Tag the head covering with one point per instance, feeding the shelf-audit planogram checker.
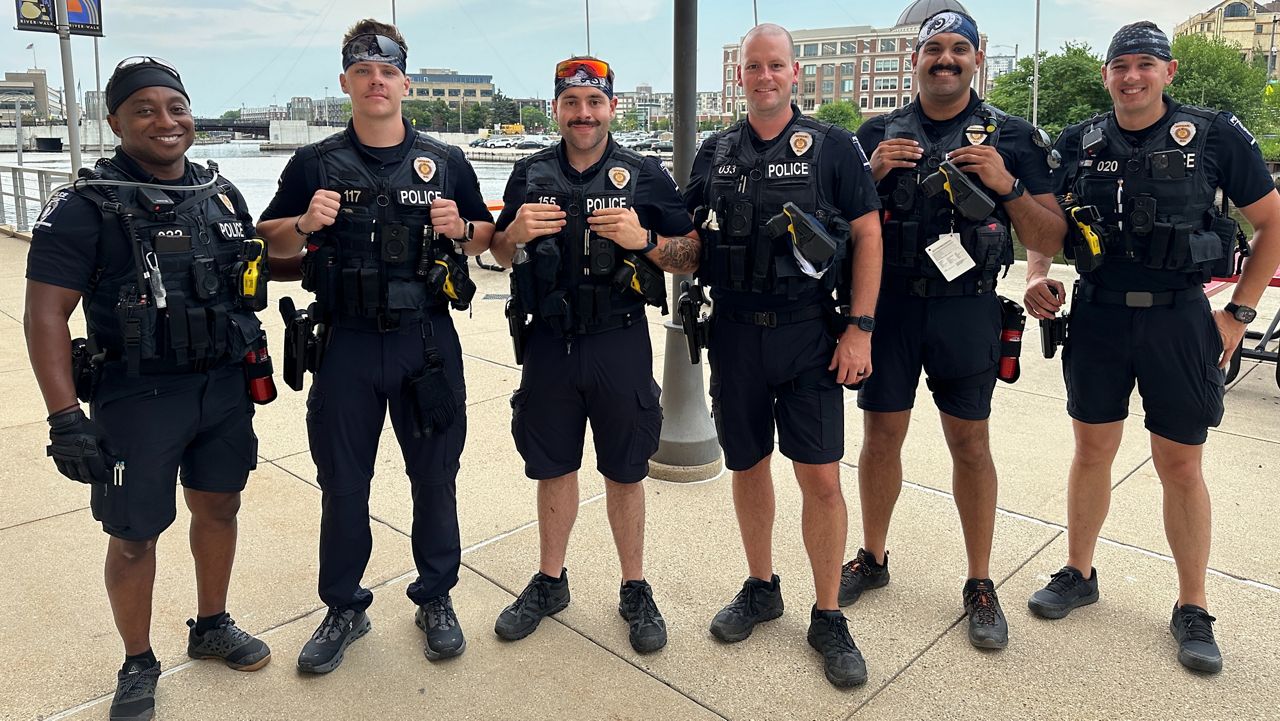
(129, 79)
(948, 21)
(1140, 38)
(585, 77)
(373, 48)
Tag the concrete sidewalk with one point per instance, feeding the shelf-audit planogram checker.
(1114, 659)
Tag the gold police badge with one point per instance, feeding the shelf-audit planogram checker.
(619, 177)
(976, 134)
(425, 168)
(1182, 132)
(801, 142)
(226, 203)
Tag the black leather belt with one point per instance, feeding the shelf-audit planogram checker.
(1138, 298)
(772, 319)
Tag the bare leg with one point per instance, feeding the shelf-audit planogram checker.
(557, 510)
(1089, 489)
(213, 545)
(973, 484)
(1187, 514)
(625, 503)
(824, 523)
(880, 475)
(130, 575)
(754, 503)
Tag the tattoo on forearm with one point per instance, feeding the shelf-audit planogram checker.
(679, 255)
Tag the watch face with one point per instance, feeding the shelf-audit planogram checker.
(866, 323)
(1245, 314)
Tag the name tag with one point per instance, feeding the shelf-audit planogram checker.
(354, 196)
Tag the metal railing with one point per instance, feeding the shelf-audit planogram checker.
(24, 190)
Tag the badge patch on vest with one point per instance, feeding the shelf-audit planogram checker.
(801, 141)
(425, 168)
(226, 203)
(976, 134)
(1182, 132)
(619, 177)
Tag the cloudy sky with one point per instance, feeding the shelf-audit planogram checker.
(255, 52)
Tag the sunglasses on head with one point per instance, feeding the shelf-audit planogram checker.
(570, 68)
(139, 61)
(373, 48)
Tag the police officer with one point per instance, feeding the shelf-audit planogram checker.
(158, 249)
(586, 225)
(1142, 180)
(386, 214)
(778, 350)
(943, 250)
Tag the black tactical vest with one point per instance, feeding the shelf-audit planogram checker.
(913, 221)
(577, 289)
(364, 269)
(192, 250)
(746, 189)
(1155, 200)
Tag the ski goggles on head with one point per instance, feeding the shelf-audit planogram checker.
(370, 48)
(584, 73)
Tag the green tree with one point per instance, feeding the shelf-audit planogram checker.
(534, 119)
(1213, 73)
(502, 110)
(842, 113)
(1071, 89)
(231, 115)
(475, 117)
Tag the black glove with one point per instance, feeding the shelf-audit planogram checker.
(78, 448)
(434, 406)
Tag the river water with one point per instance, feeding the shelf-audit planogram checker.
(252, 171)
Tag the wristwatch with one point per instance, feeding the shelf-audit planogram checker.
(468, 232)
(1242, 313)
(863, 323)
(1017, 191)
(298, 229)
(652, 244)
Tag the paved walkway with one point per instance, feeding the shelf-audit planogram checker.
(1111, 660)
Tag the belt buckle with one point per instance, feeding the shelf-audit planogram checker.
(1139, 299)
(768, 319)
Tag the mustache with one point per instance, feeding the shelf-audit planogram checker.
(586, 123)
(944, 68)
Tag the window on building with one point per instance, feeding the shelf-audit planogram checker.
(1257, 29)
(886, 65)
(828, 87)
(906, 99)
(829, 48)
(437, 92)
(420, 92)
(885, 101)
(486, 93)
(848, 47)
(906, 82)
(846, 86)
(729, 73)
(846, 68)
(795, 51)
(907, 44)
(1236, 10)
(888, 45)
(864, 102)
(866, 83)
(454, 104)
(809, 87)
(866, 65)
(469, 92)
(810, 50)
(810, 70)
(886, 83)
(866, 46)
(906, 64)
(455, 92)
(828, 70)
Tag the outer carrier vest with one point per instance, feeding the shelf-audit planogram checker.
(197, 246)
(914, 221)
(1155, 201)
(746, 190)
(365, 268)
(572, 273)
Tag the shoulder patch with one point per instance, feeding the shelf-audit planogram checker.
(1235, 122)
(49, 212)
(866, 163)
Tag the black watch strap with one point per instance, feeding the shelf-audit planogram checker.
(864, 323)
(1242, 313)
(1017, 191)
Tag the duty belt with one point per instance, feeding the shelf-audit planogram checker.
(934, 287)
(1138, 298)
(772, 319)
(387, 321)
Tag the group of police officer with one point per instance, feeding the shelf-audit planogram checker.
(823, 265)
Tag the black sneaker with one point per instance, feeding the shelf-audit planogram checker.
(339, 629)
(841, 660)
(135, 698)
(444, 636)
(862, 574)
(648, 630)
(1192, 626)
(757, 602)
(543, 597)
(987, 625)
(228, 643)
(1067, 589)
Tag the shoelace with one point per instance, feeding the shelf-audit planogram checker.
(137, 682)
(642, 609)
(982, 604)
(838, 632)
(331, 627)
(234, 634)
(746, 599)
(1198, 626)
(440, 615)
(526, 597)
(1062, 581)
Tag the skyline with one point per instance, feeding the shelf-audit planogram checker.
(299, 45)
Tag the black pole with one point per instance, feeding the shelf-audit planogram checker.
(688, 450)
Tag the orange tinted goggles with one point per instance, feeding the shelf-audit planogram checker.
(569, 68)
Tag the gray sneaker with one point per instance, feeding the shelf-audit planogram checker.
(862, 574)
(757, 602)
(135, 698)
(444, 636)
(647, 630)
(1067, 590)
(987, 625)
(1192, 627)
(543, 597)
(228, 643)
(339, 629)
(842, 662)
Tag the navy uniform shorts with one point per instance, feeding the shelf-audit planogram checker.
(1171, 352)
(604, 378)
(197, 425)
(764, 377)
(955, 341)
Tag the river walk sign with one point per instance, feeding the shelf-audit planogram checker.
(84, 16)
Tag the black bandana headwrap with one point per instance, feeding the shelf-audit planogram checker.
(949, 21)
(1140, 38)
(583, 79)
